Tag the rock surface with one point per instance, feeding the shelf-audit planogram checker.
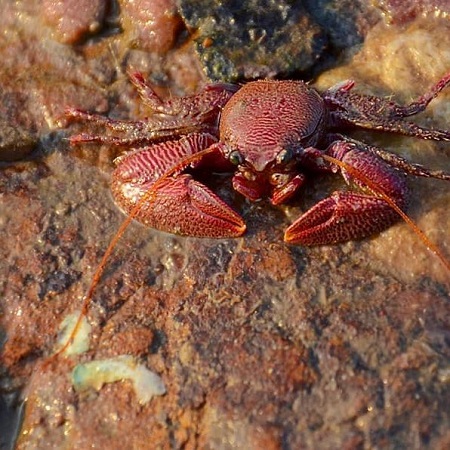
(151, 25)
(72, 21)
(259, 344)
(253, 39)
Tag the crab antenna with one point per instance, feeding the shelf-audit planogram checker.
(148, 196)
(380, 193)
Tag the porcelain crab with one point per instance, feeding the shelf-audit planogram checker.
(273, 134)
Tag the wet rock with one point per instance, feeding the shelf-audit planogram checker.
(346, 23)
(253, 39)
(73, 20)
(36, 76)
(150, 25)
(401, 12)
(9, 414)
(260, 344)
(15, 142)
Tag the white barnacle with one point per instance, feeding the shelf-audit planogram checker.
(80, 341)
(94, 374)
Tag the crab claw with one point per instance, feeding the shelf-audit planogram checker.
(177, 204)
(343, 216)
(347, 215)
(180, 205)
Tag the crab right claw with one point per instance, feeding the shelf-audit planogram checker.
(347, 215)
(342, 217)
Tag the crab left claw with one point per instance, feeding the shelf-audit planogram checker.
(179, 204)
(347, 215)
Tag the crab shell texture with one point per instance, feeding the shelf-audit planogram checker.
(268, 123)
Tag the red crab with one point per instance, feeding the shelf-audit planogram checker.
(274, 133)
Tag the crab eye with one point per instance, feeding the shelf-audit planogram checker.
(236, 158)
(285, 156)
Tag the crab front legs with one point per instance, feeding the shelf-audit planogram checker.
(349, 215)
(179, 203)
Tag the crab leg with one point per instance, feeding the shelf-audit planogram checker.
(370, 112)
(212, 98)
(139, 133)
(349, 215)
(170, 118)
(113, 124)
(180, 204)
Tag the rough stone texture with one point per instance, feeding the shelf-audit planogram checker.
(401, 11)
(72, 20)
(253, 39)
(151, 25)
(15, 142)
(259, 344)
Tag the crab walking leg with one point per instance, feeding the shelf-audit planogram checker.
(180, 205)
(113, 124)
(375, 113)
(129, 142)
(213, 97)
(170, 118)
(111, 140)
(349, 215)
(138, 133)
(421, 103)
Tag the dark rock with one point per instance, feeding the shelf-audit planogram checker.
(253, 39)
(346, 23)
